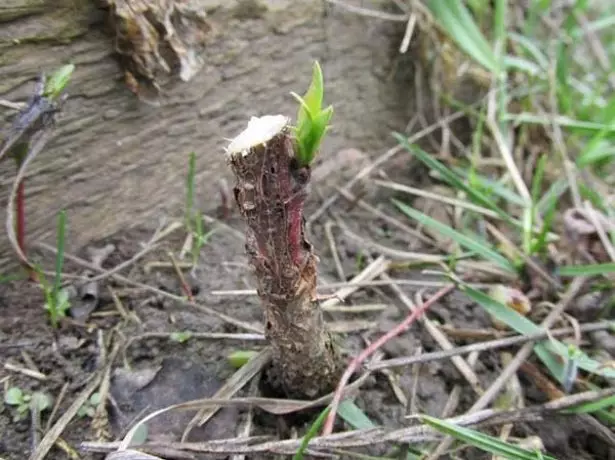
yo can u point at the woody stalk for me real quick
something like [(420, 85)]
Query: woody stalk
[(271, 163)]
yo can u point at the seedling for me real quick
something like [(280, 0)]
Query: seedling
[(181, 337), (89, 407), (24, 402), (57, 301), (28, 134), (312, 119), (193, 219)]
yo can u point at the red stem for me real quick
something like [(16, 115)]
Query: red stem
[(356, 362)]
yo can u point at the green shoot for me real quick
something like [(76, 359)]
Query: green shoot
[(554, 354), (89, 407), (312, 120), (239, 358), (55, 84), (192, 218), (57, 301), (25, 402), (587, 270), (189, 211), (181, 336), (312, 432)]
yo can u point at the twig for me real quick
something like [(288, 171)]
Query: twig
[(436, 197), (357, 285), (381, 160), (483, 346), (182, 280), (54, 433), (25, 371), (160, 292), (235, 383), (367, 437), (35, 149), (504, 148), (405, 43), (356, 362), (388, 219), (370, 13)]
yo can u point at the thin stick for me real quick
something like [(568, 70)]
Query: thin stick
[(369, 12), (489, 345), (19, 178), (383, 159), (182, 280), (356, 362)]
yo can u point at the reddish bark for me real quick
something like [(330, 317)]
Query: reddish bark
[(270, 193)]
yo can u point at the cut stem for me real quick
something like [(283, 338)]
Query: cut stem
[(270, 192)]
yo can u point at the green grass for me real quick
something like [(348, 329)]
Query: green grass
[(57, 301), (549, 102), (193, 220)]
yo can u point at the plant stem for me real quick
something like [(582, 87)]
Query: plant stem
[(270, 192), (20, 225)]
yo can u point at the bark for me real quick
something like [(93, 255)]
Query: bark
[(270, 193)]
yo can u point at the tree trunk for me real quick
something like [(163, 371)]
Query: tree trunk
[(115, 162), (270, 192)]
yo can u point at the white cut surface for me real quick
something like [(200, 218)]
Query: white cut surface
[(259, 131)]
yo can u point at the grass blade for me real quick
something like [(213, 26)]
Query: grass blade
[(354, 416), (190, 191), (469, 243), (553, 353), (450, 177), (595, 406), (587, 270), (457, 21), (483, 441), (313, 431), (57, 282)]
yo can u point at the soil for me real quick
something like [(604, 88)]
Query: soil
[(159, 372)]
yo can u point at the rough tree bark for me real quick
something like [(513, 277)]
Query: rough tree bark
[(270, 192)]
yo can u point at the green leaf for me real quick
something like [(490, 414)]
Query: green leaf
[(13, 396), (483, 441), (240, 357), (313, 431), (311, 102), (312, 120), (140, 435), (553, 353), (457, 21), (55, 84), (354, 416), (587, 270), (594, 406), (41, 401), (95, 399), (469, 243), (181, 337)]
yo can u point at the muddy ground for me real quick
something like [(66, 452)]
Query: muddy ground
[(164, 371)]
